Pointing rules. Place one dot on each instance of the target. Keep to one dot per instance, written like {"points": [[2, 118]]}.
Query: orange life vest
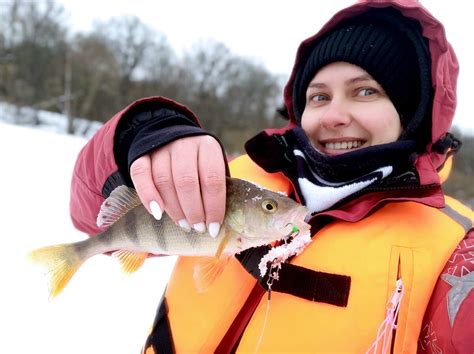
{"points": [[404, 240]]}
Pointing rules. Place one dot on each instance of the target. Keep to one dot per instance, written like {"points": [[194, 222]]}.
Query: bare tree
{"points": [[233, 96], [94, 67], [92, 75], [161, 71], [208, 66], [7, 16], [34, 39], [129, 40]]}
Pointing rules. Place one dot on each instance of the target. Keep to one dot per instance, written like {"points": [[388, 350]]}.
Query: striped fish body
{"points": [[254, 217], [139, 231]]}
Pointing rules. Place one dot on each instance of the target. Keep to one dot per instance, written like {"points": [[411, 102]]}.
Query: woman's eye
{"points": [[318, 98], [366, 92]]}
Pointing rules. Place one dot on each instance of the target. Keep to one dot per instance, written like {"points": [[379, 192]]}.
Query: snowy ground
{"points": [[48, 121], [101, 310]]}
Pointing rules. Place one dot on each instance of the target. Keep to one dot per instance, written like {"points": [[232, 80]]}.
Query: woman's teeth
{"points": [[343, 145]]}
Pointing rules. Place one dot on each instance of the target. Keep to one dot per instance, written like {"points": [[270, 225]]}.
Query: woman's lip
{"points": [[341, 145], [335, 152], [338, 140]]}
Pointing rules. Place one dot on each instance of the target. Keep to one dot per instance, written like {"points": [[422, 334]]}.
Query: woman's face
{"points": [[346, 109]]}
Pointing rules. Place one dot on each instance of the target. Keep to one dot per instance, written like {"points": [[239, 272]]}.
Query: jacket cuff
{"points": [[146, 127], [148, 140]]}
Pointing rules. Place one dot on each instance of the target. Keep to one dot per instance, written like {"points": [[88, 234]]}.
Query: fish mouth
{"points": [[300, 216], [297, 225]]}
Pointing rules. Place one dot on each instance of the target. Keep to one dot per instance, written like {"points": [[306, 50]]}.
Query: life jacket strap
{"points": [[311, 285], [294, 280], [160, 340], [231, 339], [299, 281]]}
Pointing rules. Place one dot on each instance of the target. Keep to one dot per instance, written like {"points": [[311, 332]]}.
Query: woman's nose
{"points": [[336, 115]]}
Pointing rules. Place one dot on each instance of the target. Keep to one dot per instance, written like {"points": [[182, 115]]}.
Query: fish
{"points": [[254, 217]]}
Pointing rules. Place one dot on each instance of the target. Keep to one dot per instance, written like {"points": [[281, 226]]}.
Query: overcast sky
{"points": [[267, 30]]}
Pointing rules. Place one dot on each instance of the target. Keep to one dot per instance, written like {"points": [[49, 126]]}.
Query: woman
{"points": [[370, 100]]}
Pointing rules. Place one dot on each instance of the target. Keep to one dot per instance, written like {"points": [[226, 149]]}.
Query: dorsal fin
{"points": [[121, 201]]}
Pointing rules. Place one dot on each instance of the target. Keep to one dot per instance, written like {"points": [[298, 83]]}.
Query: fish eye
{"points": [[269, 205]]}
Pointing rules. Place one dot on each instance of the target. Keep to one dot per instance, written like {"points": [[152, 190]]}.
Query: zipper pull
{"points": [[397, 295], [386, 328]]}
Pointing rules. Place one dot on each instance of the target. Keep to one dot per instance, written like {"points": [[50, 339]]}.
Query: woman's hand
{"points": [[185, 178]]}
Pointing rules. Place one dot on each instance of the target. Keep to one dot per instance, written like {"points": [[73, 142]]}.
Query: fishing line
{"points": [[294, 245], [272, 276]]}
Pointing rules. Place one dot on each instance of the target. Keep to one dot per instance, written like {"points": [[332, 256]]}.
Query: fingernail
{"points": [[200, 227], [214, 229], [156, 210], [184, 225]]}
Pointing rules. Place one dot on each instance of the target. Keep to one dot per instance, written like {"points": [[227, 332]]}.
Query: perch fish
{"points": [[254, 217]]}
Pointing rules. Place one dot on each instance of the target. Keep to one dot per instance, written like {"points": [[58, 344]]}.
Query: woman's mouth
{"points": [[343, 145]]}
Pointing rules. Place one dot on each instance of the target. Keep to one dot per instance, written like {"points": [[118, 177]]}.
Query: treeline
{"points": [[93, 75]]}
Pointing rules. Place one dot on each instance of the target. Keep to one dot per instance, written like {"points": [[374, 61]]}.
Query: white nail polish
{"points": [[184, 225], [156, 210], [200, 227], [214, 229]]}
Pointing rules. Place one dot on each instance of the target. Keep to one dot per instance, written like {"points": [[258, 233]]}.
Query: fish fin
{"points": [[207, 270], [130, 261], [224, 242], [236, 220], [121, 200], [61, 263]]}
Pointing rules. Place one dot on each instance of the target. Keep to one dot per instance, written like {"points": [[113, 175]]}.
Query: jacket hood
{"points": [[444, 73]]}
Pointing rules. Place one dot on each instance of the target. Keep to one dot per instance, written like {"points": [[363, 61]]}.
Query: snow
{"points": [[101, 310], [50, 121]]}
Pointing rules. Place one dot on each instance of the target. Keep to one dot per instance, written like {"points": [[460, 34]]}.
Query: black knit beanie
{"points": [[390, 47]]}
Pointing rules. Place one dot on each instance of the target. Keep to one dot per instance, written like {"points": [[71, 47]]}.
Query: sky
{"points": [[268, 31], [101, 310]]}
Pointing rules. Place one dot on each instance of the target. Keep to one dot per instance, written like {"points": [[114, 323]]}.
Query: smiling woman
{"points": [[370, 101], [347, 110]]}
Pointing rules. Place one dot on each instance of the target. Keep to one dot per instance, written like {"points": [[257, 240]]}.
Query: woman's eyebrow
{"points": [[364, 77], [317, 85]]}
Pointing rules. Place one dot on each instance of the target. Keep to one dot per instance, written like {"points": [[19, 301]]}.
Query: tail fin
{"points": [[61, 262]]}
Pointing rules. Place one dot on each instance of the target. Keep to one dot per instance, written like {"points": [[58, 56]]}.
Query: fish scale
{"points": [[138, 230]]}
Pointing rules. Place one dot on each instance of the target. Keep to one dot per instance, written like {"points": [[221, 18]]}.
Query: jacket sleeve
{"points": [[448, 323], [101, 164]]}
